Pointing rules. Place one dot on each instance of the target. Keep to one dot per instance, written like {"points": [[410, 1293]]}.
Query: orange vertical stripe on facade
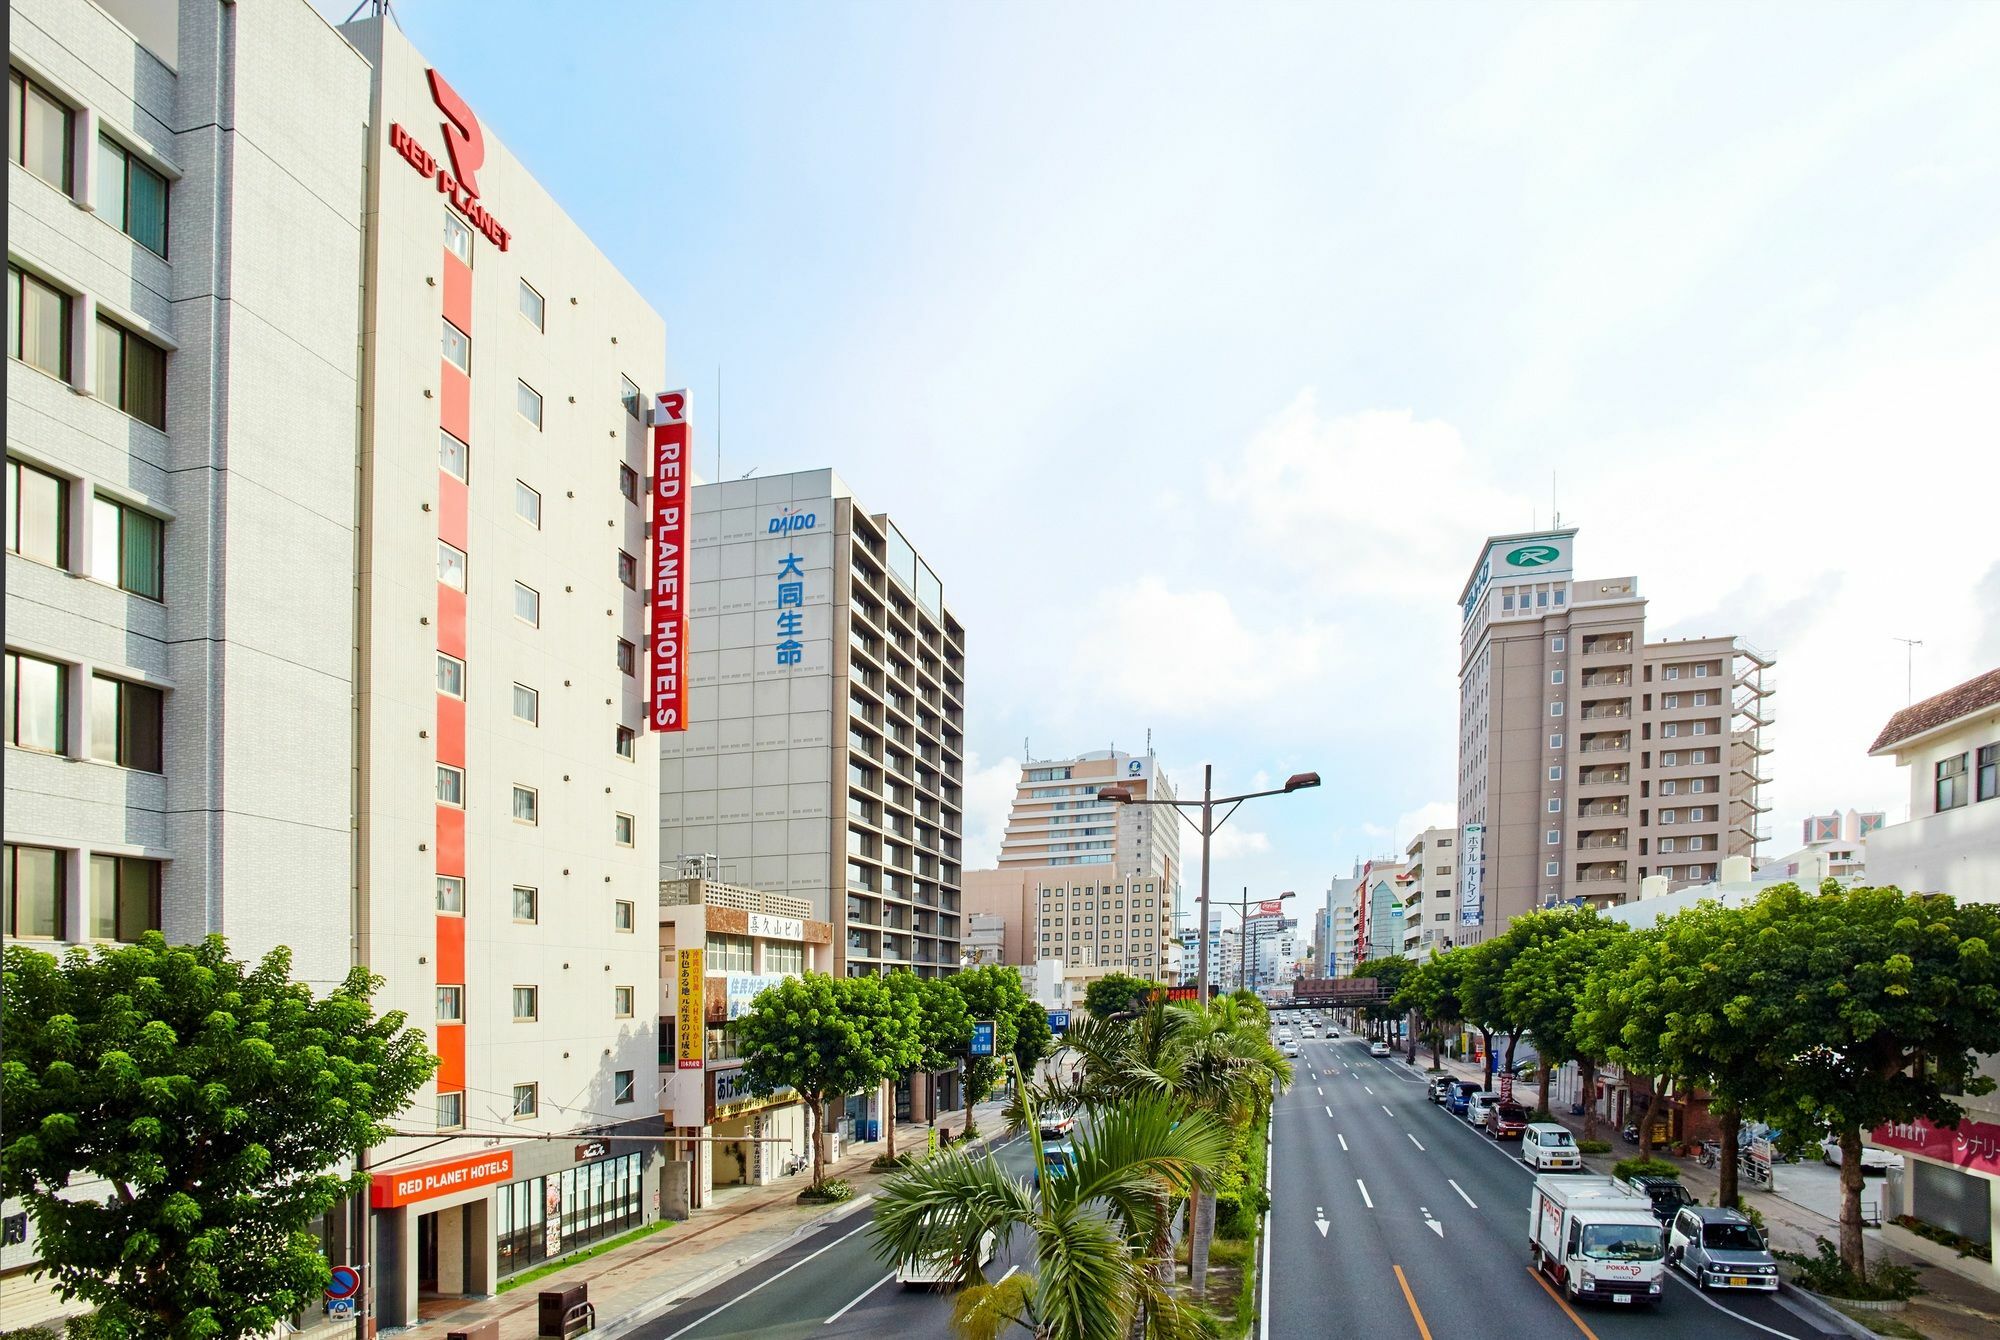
{"points": [[454, 402], [451, 1057], [451, 621], [452, 505], [458, 292], [451, 950], [451, 841], [451, 730]]}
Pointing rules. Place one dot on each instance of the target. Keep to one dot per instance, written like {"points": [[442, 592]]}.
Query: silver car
{"points": [[1720, 1249]]}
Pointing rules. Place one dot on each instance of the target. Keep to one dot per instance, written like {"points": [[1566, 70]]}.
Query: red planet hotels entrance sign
{"points": [[666, 678]]}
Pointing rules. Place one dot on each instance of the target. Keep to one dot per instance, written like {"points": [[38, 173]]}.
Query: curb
{"points": [[1805, 1300]]}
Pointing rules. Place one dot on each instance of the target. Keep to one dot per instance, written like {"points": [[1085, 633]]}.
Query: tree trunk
{"points": [[1486, 1045], [1730, 1193], [889, 1114], [1851, 1251], [815, 1118], [1198, 1239], [1653, 1101], [1587, 1075], [1513, 1039], [1410, 1039], [1542, 1080], [971, 1101]]}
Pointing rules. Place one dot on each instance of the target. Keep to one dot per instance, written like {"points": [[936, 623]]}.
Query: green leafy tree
{"points": [[1542, 984], [1597, 1024], [1432, 991], [995, 992], [826, 1037], [1390, 975], [1624, 1017], [214, 1101], [1876, 1005], [1096, 1230], [943, 1029], [1116, 993]]}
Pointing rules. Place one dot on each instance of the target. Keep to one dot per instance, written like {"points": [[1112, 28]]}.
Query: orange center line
{"points": [[1568, 1311], [1411, 1299]]}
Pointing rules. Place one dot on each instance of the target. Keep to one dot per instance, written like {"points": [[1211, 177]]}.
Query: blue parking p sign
{"points": [[1058, 1021], [982, 1038]]}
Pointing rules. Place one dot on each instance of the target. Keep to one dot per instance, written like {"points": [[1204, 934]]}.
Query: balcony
{"points": [[1604, 777], [1606, 679], [1601, 874], [1608, 743], [1607, 712], [1604, 809], [1607, 646], [1603, 842]]}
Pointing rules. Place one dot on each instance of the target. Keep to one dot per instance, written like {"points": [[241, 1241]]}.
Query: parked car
{"points": [[1459, 1096], [1378, 1049], [1440, 1086], [1479, 1105], [1547, 1145], [1874, 1162], [1506, 1121], [1666, 1194], [1056, 1123], [1720, 1249]]}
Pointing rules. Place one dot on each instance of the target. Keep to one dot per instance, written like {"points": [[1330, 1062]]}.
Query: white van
{"points": [[1547, 1145], [942, 1271], [1595, 1238]]}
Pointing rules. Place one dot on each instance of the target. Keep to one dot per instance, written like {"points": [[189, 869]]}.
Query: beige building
{"points": [[1428, 884], [1089, 881], [1589, 758]]}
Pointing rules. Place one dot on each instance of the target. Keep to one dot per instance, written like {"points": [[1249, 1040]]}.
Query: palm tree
{"points": [[1094, 1228], [1229, 1070]]}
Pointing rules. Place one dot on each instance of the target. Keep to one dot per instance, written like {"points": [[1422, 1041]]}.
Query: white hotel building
{"points": [[324, 531]]}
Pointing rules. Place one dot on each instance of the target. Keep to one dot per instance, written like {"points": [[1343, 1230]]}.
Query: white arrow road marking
{"points": [[1413, 1140], [1319, 1217], [1365, 1197], [1461, 1194], [1430, 1223], [1343, 1140]]}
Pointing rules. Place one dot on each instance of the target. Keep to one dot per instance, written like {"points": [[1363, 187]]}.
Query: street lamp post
{"points": [[1208, 804], [1242, 908]]}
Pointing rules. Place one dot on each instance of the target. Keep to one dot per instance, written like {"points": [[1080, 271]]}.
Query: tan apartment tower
{"points": [[1088, 881], [1588, 757]]}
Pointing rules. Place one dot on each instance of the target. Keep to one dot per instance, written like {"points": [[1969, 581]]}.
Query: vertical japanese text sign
{"points": [[666, 676]]}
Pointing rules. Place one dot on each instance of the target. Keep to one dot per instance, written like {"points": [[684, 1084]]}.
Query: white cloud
{"points": [[1231, 842], [1208, 658], [989, 797], [1436, 814]]}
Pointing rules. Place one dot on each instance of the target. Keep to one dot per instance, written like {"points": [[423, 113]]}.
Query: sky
{"points": [[1199, 347]]}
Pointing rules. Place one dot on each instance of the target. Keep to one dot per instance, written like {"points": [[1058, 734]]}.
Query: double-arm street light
{"points": [[1242, 906], [1208, 804]]}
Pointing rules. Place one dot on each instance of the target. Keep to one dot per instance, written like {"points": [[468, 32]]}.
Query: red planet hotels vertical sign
{"points": [[666, 678]]}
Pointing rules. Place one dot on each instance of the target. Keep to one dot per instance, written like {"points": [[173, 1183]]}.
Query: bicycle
{"points": [[1711, 1153]]}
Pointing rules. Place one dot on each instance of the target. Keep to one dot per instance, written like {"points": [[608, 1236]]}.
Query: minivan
{"points": [[1479, 1105], [1547, 1145], [1460, 1094]]}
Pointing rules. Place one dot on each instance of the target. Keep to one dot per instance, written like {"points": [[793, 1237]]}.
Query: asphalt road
{"points": [[827, 1284], [1391, 1218]]}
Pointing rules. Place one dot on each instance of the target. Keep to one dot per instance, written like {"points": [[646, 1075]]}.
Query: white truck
{"points": [[1595, 1238]]}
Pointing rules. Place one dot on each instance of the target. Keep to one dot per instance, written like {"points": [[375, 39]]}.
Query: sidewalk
{"points": [[1951, 1306], [643, 1278]]}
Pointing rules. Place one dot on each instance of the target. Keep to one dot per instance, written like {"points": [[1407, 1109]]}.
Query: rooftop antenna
{"points": [[1910, 645], [751, 471], [378, 9], [1555, 516]]}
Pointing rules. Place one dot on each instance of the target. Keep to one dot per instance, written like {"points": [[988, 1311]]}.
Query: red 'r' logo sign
{"points": [[462, 137]]}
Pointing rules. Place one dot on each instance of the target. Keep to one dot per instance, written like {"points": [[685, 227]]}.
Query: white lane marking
{"points": [[1366, 1198], [780, 1275], [1413, 1140], [864, 1293], [1371, 1092], [1461, 1194], [1318, 1090], [1343, 1140], [1264, 1228], [1385, 1108], [1329, 1110], [1010, 1270], [1702, 1294]]}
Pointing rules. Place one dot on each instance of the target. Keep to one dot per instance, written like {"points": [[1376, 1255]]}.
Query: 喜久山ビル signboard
{"points": [[982, 1038], [404, 1185], [666, 672], [764, 926], [1971, 1144], [689, 1030]]}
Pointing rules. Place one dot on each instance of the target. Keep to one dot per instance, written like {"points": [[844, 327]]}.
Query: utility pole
{"points": [[1910, 645]]}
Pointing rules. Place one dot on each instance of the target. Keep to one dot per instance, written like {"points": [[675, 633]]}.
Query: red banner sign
{"points": [[1973, 1144], [405, 1185], [666, 679]]}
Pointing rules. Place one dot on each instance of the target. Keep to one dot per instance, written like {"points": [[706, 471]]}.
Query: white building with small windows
{"points": [[278, 667]]}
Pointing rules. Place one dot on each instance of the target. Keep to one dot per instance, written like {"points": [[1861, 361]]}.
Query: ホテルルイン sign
{"points": [[401, 1186]]}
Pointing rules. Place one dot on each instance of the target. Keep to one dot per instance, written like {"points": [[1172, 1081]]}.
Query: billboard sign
{"points": [[690, 1030], [666, 677], [982, 1038], [1472, 869], [741, 988], [448, 1177]]}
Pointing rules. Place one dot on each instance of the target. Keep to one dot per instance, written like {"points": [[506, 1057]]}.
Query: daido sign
{"points": [[465, 144], [789, 522]]}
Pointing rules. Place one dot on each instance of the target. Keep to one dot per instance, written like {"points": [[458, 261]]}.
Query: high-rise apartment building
{"points": [[1429, 885], [1087, 880], [824, 754], [324, 516], [1588, 757]]}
